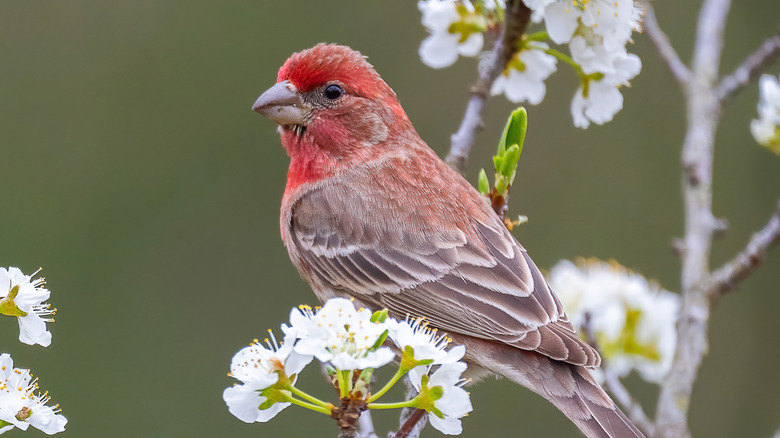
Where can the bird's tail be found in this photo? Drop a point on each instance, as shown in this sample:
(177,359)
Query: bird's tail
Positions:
(570,388)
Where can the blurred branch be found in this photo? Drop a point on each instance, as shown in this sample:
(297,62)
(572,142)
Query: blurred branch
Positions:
(366,426)
(750,68)
(517,16)
(703,111)
(633,409)
(664,47)
(732,273)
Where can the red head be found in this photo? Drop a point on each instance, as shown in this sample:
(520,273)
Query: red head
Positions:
(332,109)
(330,63)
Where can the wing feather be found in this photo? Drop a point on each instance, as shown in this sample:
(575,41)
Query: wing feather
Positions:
(480,275)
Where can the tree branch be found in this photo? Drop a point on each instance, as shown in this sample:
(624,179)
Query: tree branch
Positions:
(732,273)
(703,114)
(664,47)
(750,68)
(517,16)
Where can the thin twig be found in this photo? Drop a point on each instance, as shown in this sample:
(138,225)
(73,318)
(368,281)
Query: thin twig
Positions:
(517,16)
(410,426)
(620,392)
(664,47)
(732,273)
(750,68)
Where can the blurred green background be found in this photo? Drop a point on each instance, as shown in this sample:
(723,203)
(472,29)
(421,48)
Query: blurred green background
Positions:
(135,173)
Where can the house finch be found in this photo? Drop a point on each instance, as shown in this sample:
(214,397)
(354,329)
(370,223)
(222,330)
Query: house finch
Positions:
(370,212)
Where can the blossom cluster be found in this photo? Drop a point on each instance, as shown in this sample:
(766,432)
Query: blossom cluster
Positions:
(352,343)
(23,297)
(596,32)
(20,406)
(766,129)
(632,319)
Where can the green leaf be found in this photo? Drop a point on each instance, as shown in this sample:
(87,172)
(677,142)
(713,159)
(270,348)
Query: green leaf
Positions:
(497,159)
(484,184)
(379,341)
(509,162)
(514,132)
(501,184)
(379,316)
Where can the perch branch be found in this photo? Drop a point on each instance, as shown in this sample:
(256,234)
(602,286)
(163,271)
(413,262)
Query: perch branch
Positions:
(517,16)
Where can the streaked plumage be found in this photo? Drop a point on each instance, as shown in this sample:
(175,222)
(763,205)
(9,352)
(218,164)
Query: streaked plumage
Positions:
(371,212)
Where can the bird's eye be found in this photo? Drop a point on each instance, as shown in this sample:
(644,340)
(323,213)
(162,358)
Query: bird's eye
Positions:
(333,92)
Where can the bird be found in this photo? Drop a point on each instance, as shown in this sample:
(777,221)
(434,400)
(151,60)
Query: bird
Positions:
(371,213)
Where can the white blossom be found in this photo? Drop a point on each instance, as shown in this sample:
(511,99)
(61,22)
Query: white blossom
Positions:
(442,47)
(610,21)
(341,335)
(454,403)
(604,99)
(766,129)
(425,342)
(523,80)
(23,297)
(258,368)
(632,319)
(20,406)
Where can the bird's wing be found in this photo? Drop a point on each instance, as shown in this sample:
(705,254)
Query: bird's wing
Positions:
(479,282)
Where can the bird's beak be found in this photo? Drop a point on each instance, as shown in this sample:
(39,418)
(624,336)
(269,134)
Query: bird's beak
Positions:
(282,104)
